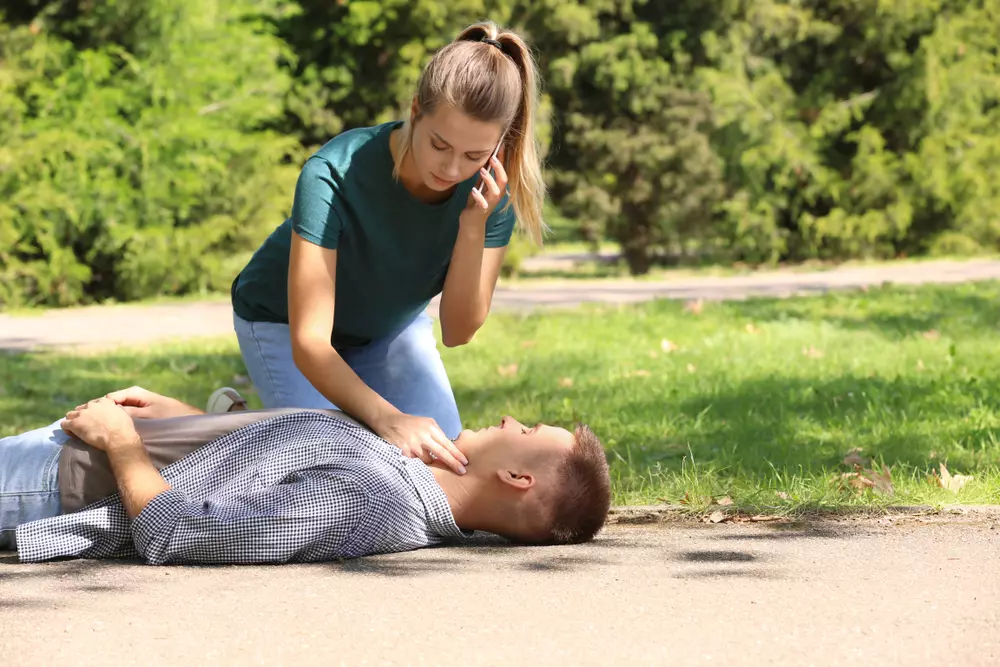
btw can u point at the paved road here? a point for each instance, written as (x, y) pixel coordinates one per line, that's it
(911, 591)
(111, 326)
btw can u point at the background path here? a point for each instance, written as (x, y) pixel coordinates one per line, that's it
(109, 326)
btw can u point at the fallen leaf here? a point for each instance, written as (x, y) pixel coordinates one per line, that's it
(782, 495)
(694, 307)
(856, 480)
(725, 501)
(882, 481)
(933, 334)
(528, 343)
(717, 516)
(692, 368)
(566, 382)
(507, 371)
(751, 329)
(854, 458)
(812, 352)
(952, 482)
(653, 354)
(920, 364)
(667, 346)
(642, 373)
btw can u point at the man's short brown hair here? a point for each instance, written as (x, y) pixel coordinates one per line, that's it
(582, 496)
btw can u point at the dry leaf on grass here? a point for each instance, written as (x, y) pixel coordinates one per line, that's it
(882, 480)
(812, 352)
(865, 478)
(953, 483)
(692, 368)
(751, 329)
(507, 371)
(528, 343)
(854, 458)
(933, 334)
(694, 307)
(717, 517)
(641, 373)
(667, 346)
(856, 480)
(782, 495)
(566, 382)
(697, 500)
(920, 364)
(725, 501)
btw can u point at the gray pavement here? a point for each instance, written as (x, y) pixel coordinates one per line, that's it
(908, 591)
(110, 326)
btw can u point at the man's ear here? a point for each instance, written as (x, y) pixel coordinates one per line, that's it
(515, 479)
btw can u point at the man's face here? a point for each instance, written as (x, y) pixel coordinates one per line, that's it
(450, 147)
(512, 437)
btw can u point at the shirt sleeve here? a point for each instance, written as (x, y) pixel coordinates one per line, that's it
(316, 208)
(307, 519)
(500, 225)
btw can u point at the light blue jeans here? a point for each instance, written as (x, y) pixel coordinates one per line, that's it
(29, 479)
(405, 368)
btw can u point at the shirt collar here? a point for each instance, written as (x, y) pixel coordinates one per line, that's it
(440, 520)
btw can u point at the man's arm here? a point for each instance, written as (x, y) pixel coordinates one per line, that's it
(104, 425)
(305, 518)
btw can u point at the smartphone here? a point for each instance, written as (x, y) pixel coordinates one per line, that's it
(496, 151)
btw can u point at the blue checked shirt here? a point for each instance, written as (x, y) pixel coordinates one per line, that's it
(295, 488)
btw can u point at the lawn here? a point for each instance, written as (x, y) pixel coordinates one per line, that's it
(760, 401)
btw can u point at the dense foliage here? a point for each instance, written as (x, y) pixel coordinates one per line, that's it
(146, 146)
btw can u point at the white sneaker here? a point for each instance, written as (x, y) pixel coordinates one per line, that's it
(224, 399)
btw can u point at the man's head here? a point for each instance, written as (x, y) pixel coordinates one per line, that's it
(539, 485)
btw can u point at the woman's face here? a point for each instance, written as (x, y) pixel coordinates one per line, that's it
(450, 147)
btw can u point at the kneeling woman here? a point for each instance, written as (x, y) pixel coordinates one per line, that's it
(330, 311)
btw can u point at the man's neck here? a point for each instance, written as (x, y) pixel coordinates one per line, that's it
(462, 492)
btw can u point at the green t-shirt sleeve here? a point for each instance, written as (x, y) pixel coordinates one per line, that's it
(316, 209)
(500, 225)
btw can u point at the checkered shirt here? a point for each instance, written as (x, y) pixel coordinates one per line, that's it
(295, 488)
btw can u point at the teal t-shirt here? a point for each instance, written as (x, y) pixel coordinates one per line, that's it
(393, 251)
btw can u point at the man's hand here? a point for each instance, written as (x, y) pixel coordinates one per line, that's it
(144, 404)
(102, 425)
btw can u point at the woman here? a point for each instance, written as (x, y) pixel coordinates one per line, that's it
(384, 219)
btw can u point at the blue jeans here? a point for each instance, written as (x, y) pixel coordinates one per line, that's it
(29, 484)
(405, 368)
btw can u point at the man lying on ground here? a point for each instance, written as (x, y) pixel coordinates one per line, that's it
(282, 486)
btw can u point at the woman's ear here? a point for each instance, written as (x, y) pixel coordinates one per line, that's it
(414, 109)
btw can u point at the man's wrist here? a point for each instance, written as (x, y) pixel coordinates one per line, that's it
(123, 442)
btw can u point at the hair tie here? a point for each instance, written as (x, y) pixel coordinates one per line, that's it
(493, 42)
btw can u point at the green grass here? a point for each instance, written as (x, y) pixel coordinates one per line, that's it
(761, 398)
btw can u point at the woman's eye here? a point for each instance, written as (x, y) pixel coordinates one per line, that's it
(436, 147)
